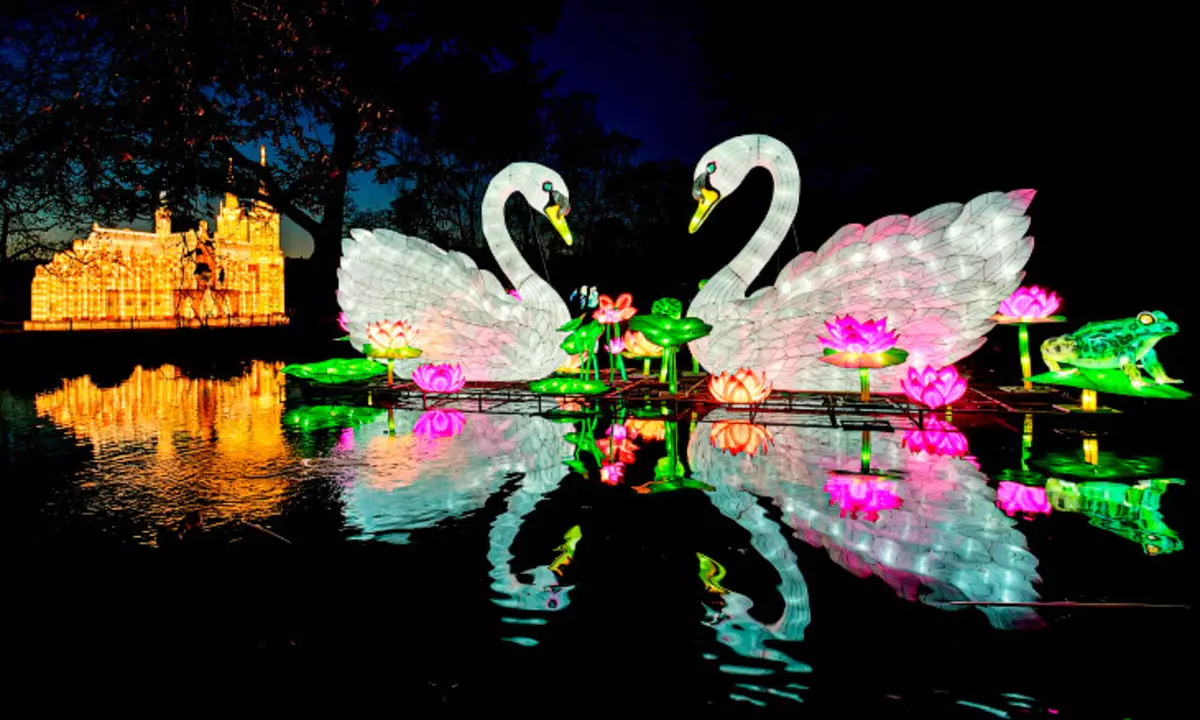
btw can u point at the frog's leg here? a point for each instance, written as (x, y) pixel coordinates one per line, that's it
(1053, 349)
(1130, 368)
(1155, 368)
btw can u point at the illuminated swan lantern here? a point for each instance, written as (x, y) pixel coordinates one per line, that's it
(937, 277)
(463, 314)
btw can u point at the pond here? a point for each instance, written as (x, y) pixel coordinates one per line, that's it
(552, 552)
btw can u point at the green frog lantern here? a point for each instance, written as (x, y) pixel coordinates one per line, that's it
(1105, 357)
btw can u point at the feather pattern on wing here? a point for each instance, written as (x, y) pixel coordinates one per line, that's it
(461, 314)
(938, 277)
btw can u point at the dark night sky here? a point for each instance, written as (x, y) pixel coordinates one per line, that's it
(641, 62)
(637, 58)
(1085, 107)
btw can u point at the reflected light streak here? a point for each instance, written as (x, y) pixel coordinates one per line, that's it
(167, 444)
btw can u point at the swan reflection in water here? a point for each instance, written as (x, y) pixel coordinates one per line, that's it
(412, 469)
(407, 470)
(943, 539)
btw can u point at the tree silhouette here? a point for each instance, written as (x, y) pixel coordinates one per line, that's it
(328, 84)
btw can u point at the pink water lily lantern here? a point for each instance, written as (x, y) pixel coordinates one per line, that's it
(1015, 498)
(847, 335)
(439, 423)
(933, 387)
(937, 438)
(1029, 305)
(857, 345)
(442, 378)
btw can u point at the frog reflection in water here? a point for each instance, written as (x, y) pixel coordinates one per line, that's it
(1115, 344)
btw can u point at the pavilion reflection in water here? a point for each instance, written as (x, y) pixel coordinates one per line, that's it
(164, 444)
(940, 539)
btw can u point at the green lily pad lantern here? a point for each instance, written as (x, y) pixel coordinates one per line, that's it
(581, 340)
(670, 333)
(336, 371)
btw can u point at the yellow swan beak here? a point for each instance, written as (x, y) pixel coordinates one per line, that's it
(707, 201)
(559, 220)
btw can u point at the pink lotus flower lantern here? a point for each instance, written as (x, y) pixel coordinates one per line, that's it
(855, 496)
(937, 438)
(441, 378)
(934, 387)
(439, 423)
(612, 311)
(855, 345)
(847, 335)
(1029, 304)
(1015, 498)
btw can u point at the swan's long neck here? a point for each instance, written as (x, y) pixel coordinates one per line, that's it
(495, 229)
(732, 281)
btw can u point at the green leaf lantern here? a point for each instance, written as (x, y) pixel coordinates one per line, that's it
(336, 371)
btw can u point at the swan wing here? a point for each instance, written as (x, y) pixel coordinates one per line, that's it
(461, 313)
(938, 277)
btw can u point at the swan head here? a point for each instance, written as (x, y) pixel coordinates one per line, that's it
(546, 192)
(720, 171)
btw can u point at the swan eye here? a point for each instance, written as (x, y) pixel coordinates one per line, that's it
(712, 168)
(548, 186)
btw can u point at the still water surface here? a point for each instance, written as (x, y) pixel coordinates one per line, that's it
(773, 563)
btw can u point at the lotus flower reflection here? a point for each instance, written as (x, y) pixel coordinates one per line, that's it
(740, 436)
(1029, 304)
(439, 378)
(1015, 498)
(934, 387)
(858, 496)
(439, 423)
(647, 430)
(938, 438)
(742, 387)
(612, 473)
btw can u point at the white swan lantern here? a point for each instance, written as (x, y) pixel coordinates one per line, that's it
(464, 315)
(937, 277)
